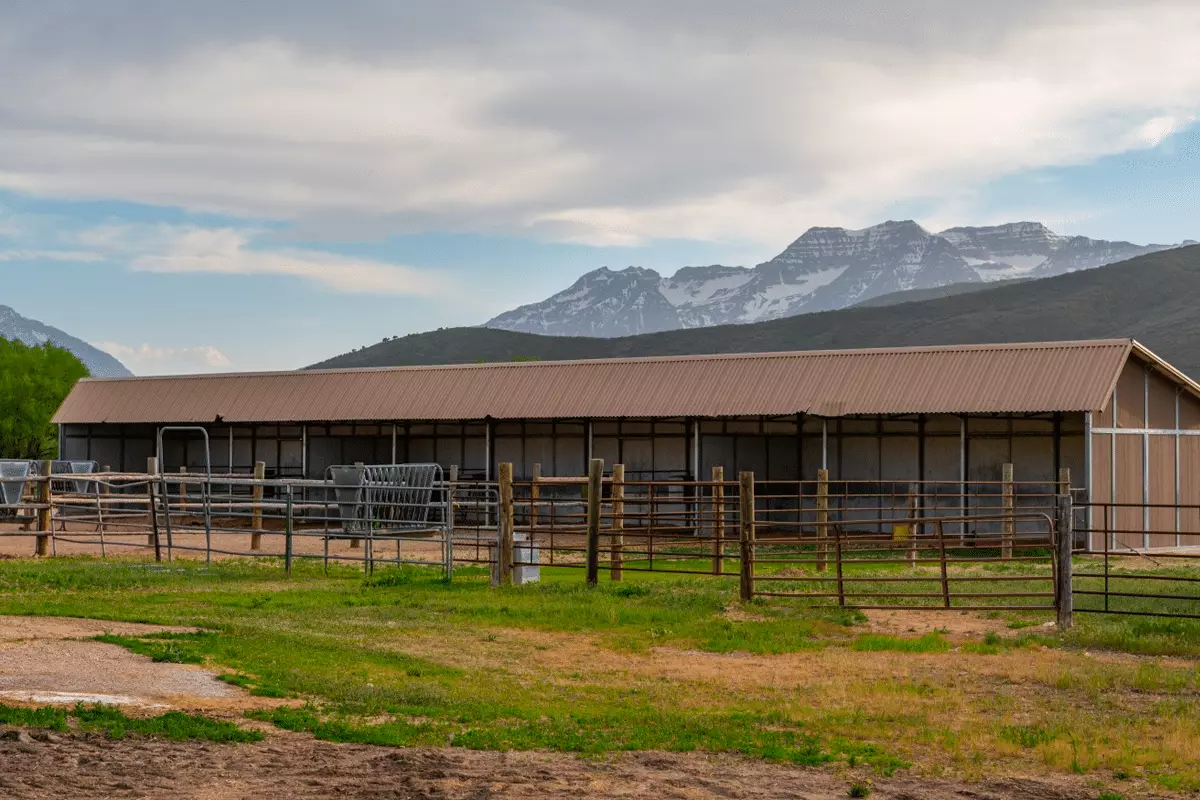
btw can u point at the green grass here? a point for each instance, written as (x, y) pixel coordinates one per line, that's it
(48, 718)
(874, 642)
(405, 658)
(114, 724)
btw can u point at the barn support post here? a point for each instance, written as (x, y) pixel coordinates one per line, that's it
(746, 535)
(595, 489)
(618, 521)
(962, 472)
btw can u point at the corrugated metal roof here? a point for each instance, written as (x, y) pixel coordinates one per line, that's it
(1008, 378)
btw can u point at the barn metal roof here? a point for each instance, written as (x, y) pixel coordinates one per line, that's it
(1005, 378)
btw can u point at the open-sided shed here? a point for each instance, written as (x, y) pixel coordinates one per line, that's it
(1125, 422)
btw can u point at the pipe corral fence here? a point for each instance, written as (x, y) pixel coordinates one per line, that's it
(849, 544)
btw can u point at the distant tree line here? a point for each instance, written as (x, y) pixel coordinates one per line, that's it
(34, 381)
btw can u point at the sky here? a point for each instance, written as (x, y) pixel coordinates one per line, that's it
(262, 184)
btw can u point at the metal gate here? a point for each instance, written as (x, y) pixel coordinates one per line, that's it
(1133, 568)
(929, 563)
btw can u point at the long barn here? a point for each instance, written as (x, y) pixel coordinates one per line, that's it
(1125, 422)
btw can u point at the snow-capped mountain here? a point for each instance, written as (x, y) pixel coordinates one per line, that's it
(825, 269)
(14, 327)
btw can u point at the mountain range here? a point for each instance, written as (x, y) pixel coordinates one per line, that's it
(825, 269)
(1150, 298)
(14, 327)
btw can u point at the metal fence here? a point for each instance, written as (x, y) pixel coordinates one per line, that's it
(399, 514)
(902, 544)
(1134, 568)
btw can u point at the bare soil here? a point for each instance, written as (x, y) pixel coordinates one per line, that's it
(298, 767)
(51, 660)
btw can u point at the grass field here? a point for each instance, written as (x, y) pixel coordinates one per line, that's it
(659, 662)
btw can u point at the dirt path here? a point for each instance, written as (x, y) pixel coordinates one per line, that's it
(297, 767)
(50, 660)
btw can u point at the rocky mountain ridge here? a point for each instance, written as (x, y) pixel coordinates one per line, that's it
(823, 270)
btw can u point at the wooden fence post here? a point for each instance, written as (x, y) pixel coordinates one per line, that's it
(1009, 528)
(504, 552)
(256, 517)
(746, 534)
(45, 517)
(1064, 524)
(595, 492)
(103, 490)
(618, 520)
(152, 471)
(1064, 480)
(718, 506)
(822, 519)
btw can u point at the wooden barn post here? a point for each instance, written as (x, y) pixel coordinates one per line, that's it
(595, 492)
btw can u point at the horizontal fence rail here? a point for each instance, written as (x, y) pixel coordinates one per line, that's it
(853, 544)
(1139, 559)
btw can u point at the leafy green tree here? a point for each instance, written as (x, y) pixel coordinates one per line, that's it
(33, 383)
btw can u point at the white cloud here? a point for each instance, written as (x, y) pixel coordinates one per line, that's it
(229, 251)
(48, 255)
(601, 122)
(146, 359)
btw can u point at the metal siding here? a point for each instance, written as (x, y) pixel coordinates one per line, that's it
(1189, 487)
(1129, 490)
(1131, 396)
(1162, 402)
(1021, 378)
(1189, 412)
(1162, 490)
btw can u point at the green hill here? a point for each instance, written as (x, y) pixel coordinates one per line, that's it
(1153, 298)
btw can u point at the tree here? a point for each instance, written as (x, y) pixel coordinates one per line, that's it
(34, 381)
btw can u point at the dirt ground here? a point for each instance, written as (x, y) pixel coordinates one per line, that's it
(51, 660)
(298, 767)
(84, 540)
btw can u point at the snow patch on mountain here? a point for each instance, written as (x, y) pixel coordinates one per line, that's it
(15, 327)
(824, 269)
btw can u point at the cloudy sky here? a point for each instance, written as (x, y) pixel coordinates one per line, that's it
(245, 184)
